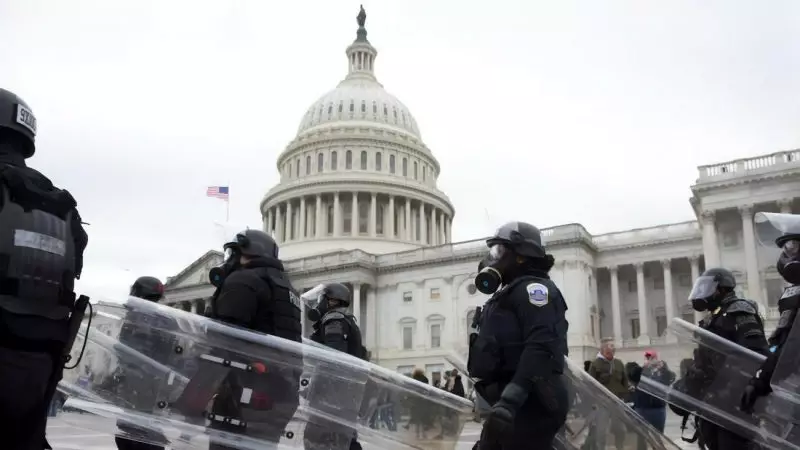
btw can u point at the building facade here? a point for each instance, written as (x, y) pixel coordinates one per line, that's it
(358, 203)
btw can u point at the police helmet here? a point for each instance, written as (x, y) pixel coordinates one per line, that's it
(16, 116)
(148, 288)
(723, 277)
(254, 243)
(338, 291)
(523, 238)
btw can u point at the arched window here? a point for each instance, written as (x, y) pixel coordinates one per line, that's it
(308, 164)
(363, 106)
(330, 110)
(415, 170)
(340, 106)
(334, 160)
(348, 160)
(297, 168)
(363, 160)
(405, 167)
(330, 219)
(352, 106)
(424, 172)
(320, 162)
(379, 218)
(378, 161)
(374, 108)
(391, 163)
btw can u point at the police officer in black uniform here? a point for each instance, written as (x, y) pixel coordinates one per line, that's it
(518, 353)
(147, 288)
(334, 327)
(784, 231)
(254, 292)
(731, 318)
(41, 254)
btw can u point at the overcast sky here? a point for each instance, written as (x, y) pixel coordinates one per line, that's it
(565, 111)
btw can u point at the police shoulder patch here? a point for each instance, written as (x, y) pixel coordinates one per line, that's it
(538, 294)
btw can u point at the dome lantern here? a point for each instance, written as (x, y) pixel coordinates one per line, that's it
(361, 54)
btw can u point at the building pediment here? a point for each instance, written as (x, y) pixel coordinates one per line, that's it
(196, 272)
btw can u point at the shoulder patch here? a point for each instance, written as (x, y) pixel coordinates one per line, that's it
(333, 315)
(538, 294)
(741, 306)
(791, 292)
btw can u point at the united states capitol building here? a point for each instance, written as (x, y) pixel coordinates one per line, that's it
(358, 202)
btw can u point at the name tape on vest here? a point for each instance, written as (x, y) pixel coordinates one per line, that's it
(38, 241)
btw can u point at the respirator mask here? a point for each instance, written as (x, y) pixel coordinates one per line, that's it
(217, 275)
(704, 294)
(490, 277)
(788, 265)
(316, 303)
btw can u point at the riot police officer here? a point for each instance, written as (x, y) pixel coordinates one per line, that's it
(254, 292)
(784, 231)
(334, 327)
(41, 254)
(147, 288)
(519, 350)
(731, 318)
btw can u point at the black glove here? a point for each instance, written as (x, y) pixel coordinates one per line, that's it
(501, 418)
(758, 387)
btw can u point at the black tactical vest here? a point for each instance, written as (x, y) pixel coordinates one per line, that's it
(37, 250)
(282, 316)
(355, 345)
(787, 306)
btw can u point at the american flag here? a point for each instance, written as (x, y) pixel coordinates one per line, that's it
(217, 192)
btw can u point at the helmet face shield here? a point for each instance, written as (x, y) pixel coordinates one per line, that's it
(314, 296)
(704, 287)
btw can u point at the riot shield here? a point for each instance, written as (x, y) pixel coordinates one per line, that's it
(786, 375)
(174, 377)
(598, 419)
(768, 227)
(712, 386)
(399, 412)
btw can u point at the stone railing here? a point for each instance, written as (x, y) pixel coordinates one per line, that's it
(660, 233)
(749, 166)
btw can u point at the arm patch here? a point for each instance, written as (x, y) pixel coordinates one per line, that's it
(741, 306)
(334, 315)
(334, 327)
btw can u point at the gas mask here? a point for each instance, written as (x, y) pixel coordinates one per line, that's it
(490, 277)
(788, 265)
(316, 303)
(231, 262)
(704, 295)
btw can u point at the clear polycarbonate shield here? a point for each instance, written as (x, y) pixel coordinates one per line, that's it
(398, 412)
(311, 298)
(597, 419)
(704, 287)
(786, 375)
(770, 226)
(170, 371)
(712, 385)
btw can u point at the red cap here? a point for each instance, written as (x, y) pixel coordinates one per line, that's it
(650, 353)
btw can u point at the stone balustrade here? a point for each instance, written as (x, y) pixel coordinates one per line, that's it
(748, 166)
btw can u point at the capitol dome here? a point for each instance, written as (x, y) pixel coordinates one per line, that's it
(357, 175)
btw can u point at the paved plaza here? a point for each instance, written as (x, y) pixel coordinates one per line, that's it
(73, 431)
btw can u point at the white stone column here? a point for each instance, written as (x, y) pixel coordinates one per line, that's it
(442, 227)
(616, 310)
(423, 225)
(268, 222)
(785, 205)
(354, 215)
(710, 244)
(278, 224)
(287, 230)
(669, 300)
(301, 235)
(371, 326)
(337, 215)
(751, 258)
(318, 222)
(694, 261)
(434, 227)
(357, 302)
(594, 291)
(408, 219)
(373, 216)
(644, 335)
(390, 231)
(448, 230)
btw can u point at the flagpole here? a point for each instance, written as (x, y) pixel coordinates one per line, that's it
(228, 204)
